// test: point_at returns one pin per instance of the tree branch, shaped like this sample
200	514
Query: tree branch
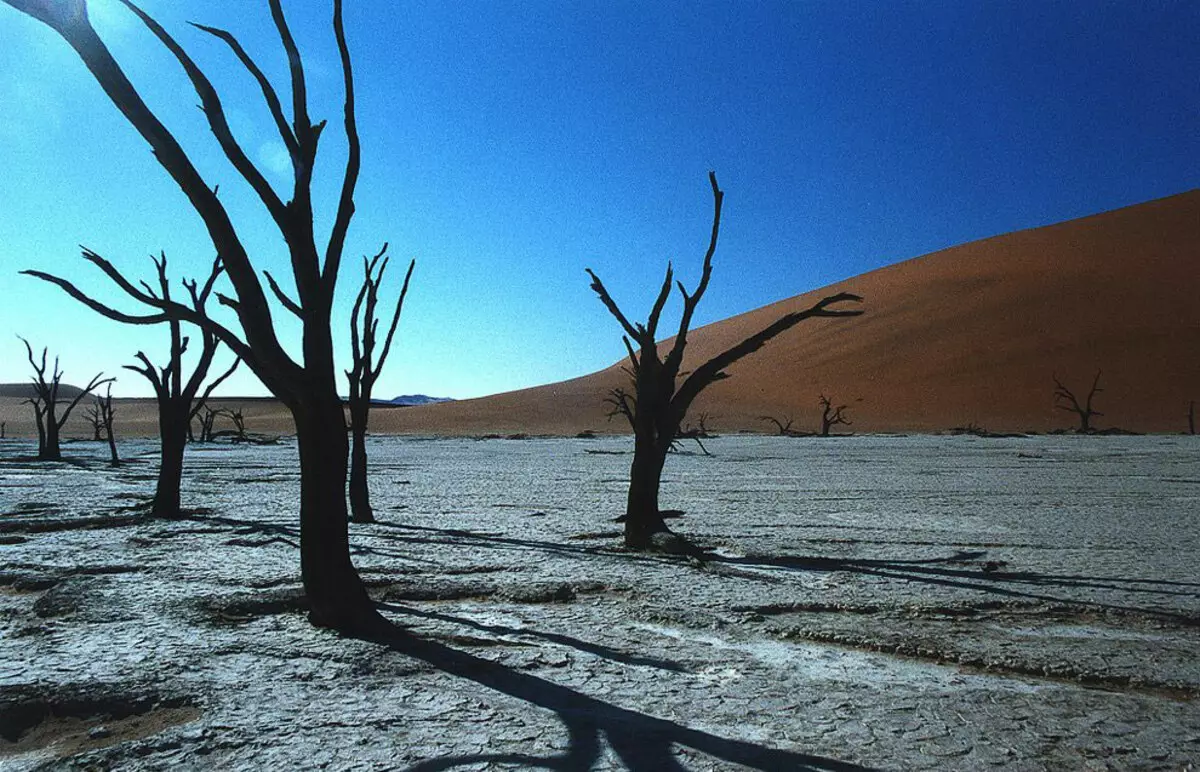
712	370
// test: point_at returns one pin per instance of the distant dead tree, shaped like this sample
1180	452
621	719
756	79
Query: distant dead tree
1191	418
657	406
93	415
832	416
695	433
1065	399
364	373
173	393
3	429
336	595
207	418
45	402
106	417
239	424
783	425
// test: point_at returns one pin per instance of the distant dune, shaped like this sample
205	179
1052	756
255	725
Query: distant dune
968	335
971	334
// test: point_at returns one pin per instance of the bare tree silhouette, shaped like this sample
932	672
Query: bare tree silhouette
1065	399
239	423
1191	416
173	394
658	405
308	387
45	402
782	425
832	416
93	414
207	418
107	414
362	376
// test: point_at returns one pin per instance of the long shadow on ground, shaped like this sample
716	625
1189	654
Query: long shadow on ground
1004	584
644	743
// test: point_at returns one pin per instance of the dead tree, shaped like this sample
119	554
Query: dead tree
657	405
832	416
239	424
45	402
783	426
1191	418
362	376
207	418
95	418
1065	399
308	386
3	429
106	417
172	391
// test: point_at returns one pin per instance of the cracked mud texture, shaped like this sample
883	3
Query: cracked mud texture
872	602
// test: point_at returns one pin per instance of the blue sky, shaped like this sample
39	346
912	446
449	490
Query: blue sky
508	146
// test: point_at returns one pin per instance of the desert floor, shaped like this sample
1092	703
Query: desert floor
874	602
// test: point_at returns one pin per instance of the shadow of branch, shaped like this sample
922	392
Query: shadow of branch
643	743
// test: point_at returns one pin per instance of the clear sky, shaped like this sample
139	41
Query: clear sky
509	145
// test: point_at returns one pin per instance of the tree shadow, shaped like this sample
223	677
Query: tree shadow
643	743
588	647
997	583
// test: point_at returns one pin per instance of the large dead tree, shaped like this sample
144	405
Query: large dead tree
658	404
308	386
46	401
832	416
1065	399
368	364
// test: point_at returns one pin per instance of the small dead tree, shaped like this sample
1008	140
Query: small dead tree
3	429
832	416
307	385
1191	416
207	418
239	424
45	402
368	364
1065	399
783	426
658	405
93	415
106	417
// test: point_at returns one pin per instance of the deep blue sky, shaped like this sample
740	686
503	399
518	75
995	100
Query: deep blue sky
507	146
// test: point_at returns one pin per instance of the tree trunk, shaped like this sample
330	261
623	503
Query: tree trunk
50	450
335	592
642	517
170	467
360	496
114	460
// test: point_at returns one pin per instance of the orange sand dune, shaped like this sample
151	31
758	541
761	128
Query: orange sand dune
971	334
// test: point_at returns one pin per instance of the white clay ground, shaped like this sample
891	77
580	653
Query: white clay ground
848	621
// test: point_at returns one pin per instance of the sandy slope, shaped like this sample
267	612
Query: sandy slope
971	334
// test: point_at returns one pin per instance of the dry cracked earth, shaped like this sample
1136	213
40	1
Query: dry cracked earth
871	602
